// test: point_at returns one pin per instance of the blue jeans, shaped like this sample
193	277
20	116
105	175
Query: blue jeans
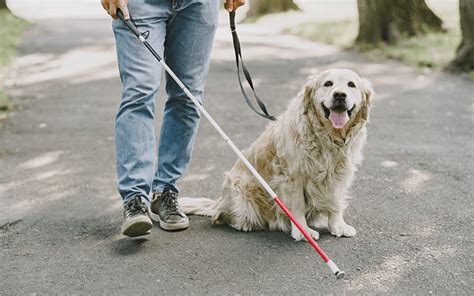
181	31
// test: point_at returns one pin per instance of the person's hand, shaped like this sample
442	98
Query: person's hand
232	5
111	7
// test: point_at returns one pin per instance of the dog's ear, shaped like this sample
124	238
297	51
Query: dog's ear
367	98
308	91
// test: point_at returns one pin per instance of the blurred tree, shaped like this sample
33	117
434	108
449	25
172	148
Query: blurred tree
3	4
258	8
387	20
464	60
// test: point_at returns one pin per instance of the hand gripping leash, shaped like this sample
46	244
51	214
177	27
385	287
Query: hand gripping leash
338	273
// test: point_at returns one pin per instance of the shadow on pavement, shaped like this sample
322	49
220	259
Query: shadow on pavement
128	246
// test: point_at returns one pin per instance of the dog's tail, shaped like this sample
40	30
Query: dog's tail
198	206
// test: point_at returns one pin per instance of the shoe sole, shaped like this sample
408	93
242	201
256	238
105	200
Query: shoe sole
169	226
137	226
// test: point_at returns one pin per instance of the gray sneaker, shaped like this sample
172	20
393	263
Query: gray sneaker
165	210
136	221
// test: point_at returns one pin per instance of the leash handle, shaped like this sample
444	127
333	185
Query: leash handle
240	62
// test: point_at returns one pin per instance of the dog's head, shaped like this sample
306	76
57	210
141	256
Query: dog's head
339	96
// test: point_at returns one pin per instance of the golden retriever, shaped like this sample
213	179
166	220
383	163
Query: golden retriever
308	156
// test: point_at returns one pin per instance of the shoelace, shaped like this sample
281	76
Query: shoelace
136	206
170	200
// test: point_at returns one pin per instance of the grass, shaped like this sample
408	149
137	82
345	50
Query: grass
432	51
10	32
340	33
11	29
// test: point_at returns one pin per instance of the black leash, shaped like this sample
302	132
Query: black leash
240	62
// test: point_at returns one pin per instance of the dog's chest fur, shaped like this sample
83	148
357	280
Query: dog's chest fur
328	167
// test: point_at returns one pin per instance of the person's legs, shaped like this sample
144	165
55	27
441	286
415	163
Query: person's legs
140	75
188	45
134	122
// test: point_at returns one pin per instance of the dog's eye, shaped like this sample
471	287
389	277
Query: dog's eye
351	84
328	83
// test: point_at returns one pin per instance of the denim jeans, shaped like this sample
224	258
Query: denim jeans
181	31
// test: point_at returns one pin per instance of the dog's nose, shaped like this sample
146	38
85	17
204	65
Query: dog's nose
339	96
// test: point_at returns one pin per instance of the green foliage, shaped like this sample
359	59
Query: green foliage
433	50
11	29
10	32
340	33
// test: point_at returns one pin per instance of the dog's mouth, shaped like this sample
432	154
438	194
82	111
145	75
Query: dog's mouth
338	115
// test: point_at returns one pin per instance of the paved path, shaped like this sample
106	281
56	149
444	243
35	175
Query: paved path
60	214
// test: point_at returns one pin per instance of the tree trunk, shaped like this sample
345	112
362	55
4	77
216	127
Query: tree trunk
3	4
387	20
464	60
261	7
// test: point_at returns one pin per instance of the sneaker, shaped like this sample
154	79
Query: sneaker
136	221
165	210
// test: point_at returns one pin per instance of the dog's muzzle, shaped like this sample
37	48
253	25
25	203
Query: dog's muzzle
338	114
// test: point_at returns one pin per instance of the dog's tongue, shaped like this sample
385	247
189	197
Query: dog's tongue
338	120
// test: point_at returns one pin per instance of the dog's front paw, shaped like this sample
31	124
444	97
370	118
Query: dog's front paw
297	235
342	229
